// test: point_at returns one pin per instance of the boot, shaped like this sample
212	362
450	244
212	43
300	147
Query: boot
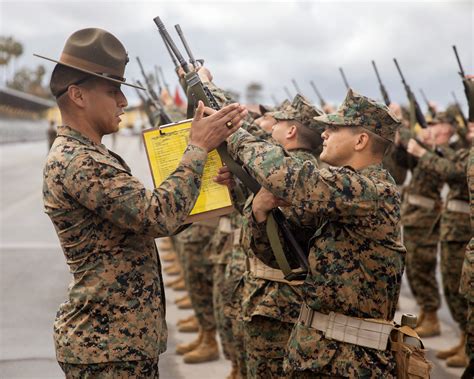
182	298
172	282
185	320
429	327
206	351
179	286
184	348
185	304
189	327
169	257
421	317
173	269
234	373
444	354
459	359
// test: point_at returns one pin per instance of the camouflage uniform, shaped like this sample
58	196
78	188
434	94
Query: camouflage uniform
147	368
356	258
198	270
421	233
455	228
467	277
106	222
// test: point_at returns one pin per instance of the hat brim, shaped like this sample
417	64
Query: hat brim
89	72
332	119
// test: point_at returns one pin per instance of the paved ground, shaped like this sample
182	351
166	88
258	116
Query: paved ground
34	277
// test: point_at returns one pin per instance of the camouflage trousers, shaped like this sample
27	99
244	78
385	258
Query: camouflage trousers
198	274
422	252
265	341
307	374
112	370
452	257
223	323
240	350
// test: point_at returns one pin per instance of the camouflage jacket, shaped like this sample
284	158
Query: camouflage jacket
451	168
268	298
356	258
424	183
106	222
467	277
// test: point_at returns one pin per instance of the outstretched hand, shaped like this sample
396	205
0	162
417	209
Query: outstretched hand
209	132
263	202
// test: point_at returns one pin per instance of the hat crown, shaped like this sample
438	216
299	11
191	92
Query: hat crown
300	109
96	50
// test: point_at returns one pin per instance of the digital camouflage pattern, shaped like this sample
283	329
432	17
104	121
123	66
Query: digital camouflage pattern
467	276
300	110
358	110
455	228
356	258
147	368
106	222
198	271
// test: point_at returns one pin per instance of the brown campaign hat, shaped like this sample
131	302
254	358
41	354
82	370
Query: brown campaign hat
96	52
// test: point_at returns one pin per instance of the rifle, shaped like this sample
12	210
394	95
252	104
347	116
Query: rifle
288	93
470	101
149	87
430	107
420	118
321	100
146	107
458	106
384	92
164	80
296	86
344	78
164	118
158	80
196	91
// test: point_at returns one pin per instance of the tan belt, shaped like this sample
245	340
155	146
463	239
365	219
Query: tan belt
236	239
213	222
459	206
372	333
421	201
262	271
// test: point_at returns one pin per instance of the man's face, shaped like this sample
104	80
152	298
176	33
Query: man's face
266	122
338	145
280	131
104	105
442	133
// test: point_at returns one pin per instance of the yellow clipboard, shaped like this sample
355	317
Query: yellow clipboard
164	146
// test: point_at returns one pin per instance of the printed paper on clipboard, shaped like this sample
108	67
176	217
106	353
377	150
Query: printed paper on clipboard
165	146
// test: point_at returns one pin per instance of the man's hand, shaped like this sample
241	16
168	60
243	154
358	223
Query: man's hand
415	149
204	74
225	177
263	202
209	132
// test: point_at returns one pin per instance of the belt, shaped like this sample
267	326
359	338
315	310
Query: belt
372	333
421	201
458	206
236	239
262	271
213	222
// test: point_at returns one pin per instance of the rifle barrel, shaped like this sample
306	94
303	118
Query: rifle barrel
169	41
377	72
344	77
399	71
461	70
296	86
287	92
186	46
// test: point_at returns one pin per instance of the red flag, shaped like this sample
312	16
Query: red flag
177	98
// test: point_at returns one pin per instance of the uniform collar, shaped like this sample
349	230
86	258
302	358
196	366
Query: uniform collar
67	131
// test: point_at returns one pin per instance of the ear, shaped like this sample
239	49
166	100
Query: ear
362	141
291	133
76	95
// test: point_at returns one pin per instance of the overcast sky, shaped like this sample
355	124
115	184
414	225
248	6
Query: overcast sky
272	41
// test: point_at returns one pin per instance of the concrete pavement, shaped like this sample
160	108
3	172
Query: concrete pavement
34	276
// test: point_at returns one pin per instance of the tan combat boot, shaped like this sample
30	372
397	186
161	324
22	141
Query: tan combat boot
179	286
206	351
185	320
429	327
182	298
460	359
172	282
444	354
173	269
185	304
189	327
421	317
187	347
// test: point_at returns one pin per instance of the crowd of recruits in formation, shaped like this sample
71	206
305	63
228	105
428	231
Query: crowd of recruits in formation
347	213
242	298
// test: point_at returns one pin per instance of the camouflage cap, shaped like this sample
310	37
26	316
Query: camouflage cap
300	110
443	118
358	110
